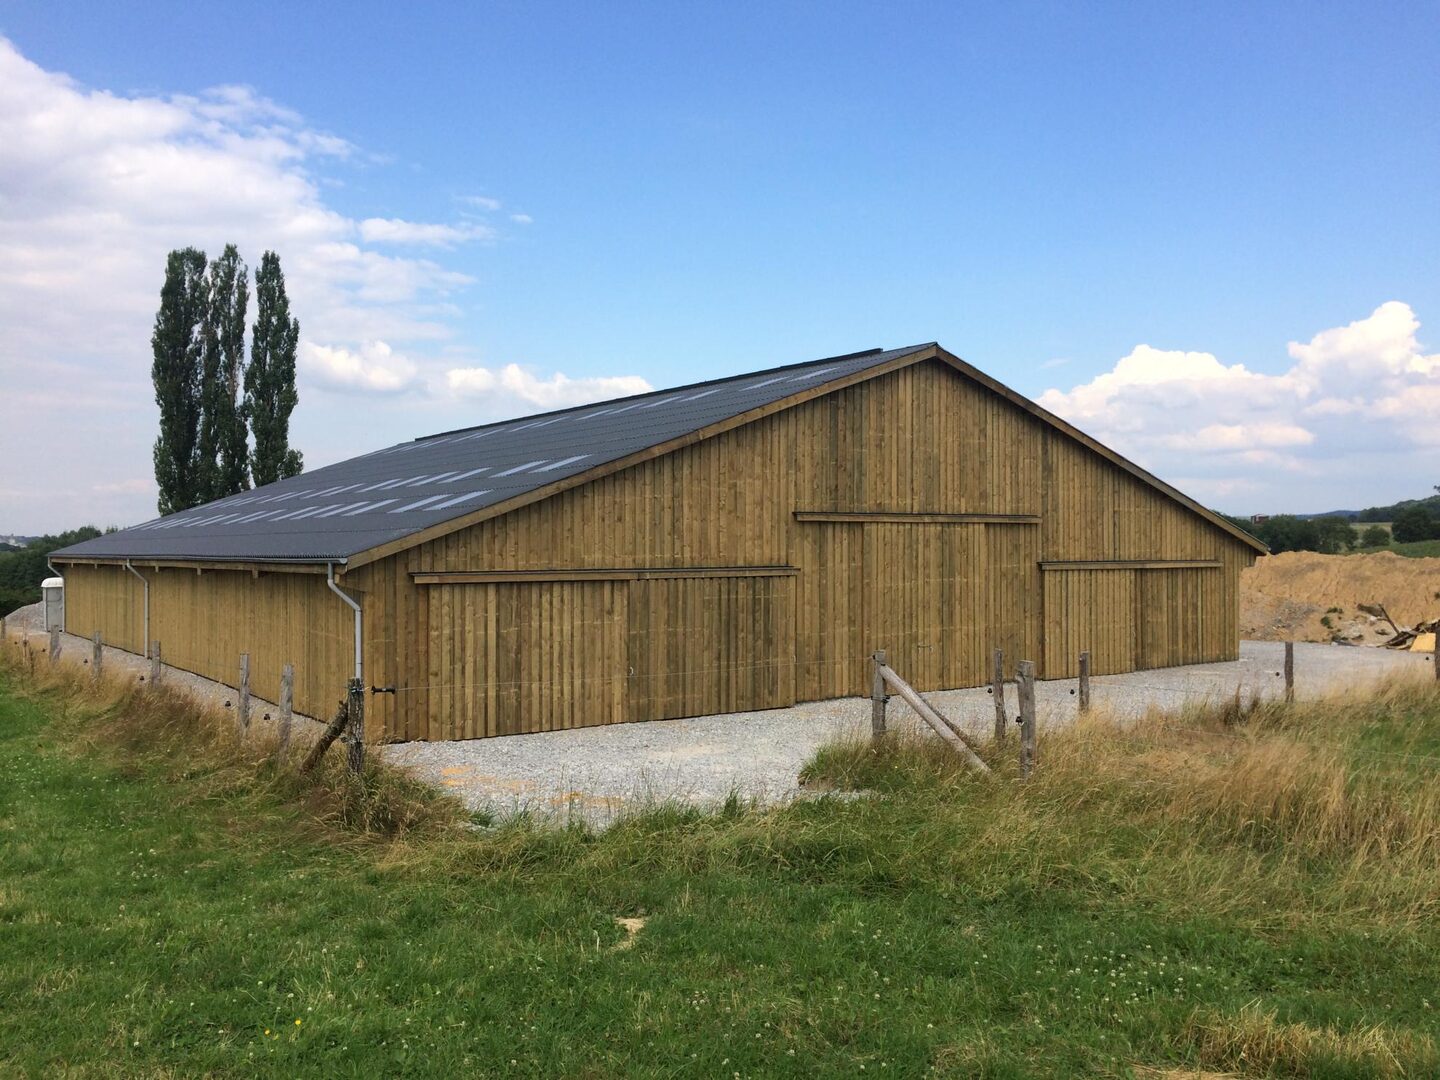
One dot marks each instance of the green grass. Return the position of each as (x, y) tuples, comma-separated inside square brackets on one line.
[(1417, 549), (1238, 892)]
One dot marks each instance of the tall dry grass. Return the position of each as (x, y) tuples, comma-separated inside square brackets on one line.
[(171, 734)]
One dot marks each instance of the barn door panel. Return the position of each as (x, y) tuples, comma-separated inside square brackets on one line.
[(830, 638), (1089, 611), (698, 646), (533, 656), (1173, 617)]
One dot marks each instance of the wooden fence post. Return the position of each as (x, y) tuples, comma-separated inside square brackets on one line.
[(29, 654), (99, 657), (357, 726), (154, 664), (997, 688), (1026, 681), (1435, 656), (287, 703), (54, 644), (877, 694), (1084, 682), (1289, 671), (242, 715)]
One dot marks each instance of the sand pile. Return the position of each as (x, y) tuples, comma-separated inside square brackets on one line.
[(1295, 594)]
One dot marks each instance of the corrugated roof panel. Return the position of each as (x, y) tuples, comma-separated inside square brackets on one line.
[(309, 518)]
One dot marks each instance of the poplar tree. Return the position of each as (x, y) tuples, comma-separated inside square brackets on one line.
[(175, 370), (270, 394), (222, 451)]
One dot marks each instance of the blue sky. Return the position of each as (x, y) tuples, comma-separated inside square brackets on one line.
[(672, 192)]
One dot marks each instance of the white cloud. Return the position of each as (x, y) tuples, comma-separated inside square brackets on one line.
[(396, 231), (1354, 413), (373, 367), (482, 202), (556, 392), (96, 187), (522, 219)]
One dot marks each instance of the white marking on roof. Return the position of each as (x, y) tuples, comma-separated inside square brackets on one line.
[(662, 401), (553, 420), (306, 513), (476, 435), (430, 479), (252, 517), (703, 393), (814, 374), (367, 507), (562, 463), (767, 382), (520, 468), (339, 509), (329, 491), (417, 503), (293, 513), (472, 472), (627, 408), (456, 500), (597, 412), (377, 484)]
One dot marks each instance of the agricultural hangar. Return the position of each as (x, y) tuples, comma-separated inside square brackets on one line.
[(732, 545)]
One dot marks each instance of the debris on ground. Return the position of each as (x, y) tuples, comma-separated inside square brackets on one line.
[(1346, 599), (1420, 638)]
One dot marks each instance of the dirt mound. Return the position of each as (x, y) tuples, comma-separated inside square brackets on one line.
[(1295, 594)]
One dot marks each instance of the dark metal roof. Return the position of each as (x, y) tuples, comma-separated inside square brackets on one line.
[(340, 510)]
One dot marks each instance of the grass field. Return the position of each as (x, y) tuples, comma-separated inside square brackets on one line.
[(1254, 894), (1417, 549)]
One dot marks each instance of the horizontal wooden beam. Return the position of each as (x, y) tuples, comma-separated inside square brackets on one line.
[(900, 518), (633, 573), (198, 565), (1134, 564)]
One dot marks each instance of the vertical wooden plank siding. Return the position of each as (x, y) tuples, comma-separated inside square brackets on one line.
[(205, 621), (475, 660)]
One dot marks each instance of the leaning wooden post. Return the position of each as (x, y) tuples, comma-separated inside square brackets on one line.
[(331, 733), (242, 715), (54, 644), (877, 694), (98, 658), (1289, 671), (1435, 655), (287, 703), (997, 688), (1026, 680), (1084, 682), (154, 664), (356, 708)]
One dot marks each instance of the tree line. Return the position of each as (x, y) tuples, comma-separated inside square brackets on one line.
[(224, 420), (22, 571), (1411, 520)]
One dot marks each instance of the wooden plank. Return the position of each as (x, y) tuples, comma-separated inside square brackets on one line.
[(1132, 564), (915, 518), (942, 724), (477, 577)]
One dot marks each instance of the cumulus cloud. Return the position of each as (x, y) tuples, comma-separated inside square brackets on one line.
[(374, 366), (96, 187), (556, 392), (1352, 417), (396, 231)]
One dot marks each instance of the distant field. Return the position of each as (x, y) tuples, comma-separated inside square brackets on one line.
[(1419, 549)]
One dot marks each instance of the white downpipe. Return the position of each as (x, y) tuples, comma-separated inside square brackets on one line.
[(143, 581), (359, 623)]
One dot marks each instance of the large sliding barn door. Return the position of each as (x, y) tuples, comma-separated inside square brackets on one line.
[(937, 597), (507, 658)]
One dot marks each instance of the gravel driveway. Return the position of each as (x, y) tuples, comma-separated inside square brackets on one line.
[(594, 773)]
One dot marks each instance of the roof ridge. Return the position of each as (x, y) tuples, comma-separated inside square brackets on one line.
[(681, 388)]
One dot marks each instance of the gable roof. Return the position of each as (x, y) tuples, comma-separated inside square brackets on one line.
[(333, 513), (365, 508)]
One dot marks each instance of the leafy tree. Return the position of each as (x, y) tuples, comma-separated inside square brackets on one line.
[(1375, 536), (222, 451), (22, 571), (1333, 535), (270, 395), (175, 371), (1414, 523)]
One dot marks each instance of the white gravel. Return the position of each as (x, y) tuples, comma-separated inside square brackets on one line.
[(597, 773)]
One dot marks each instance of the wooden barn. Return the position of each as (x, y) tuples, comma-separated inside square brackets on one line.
[(738, 544)]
